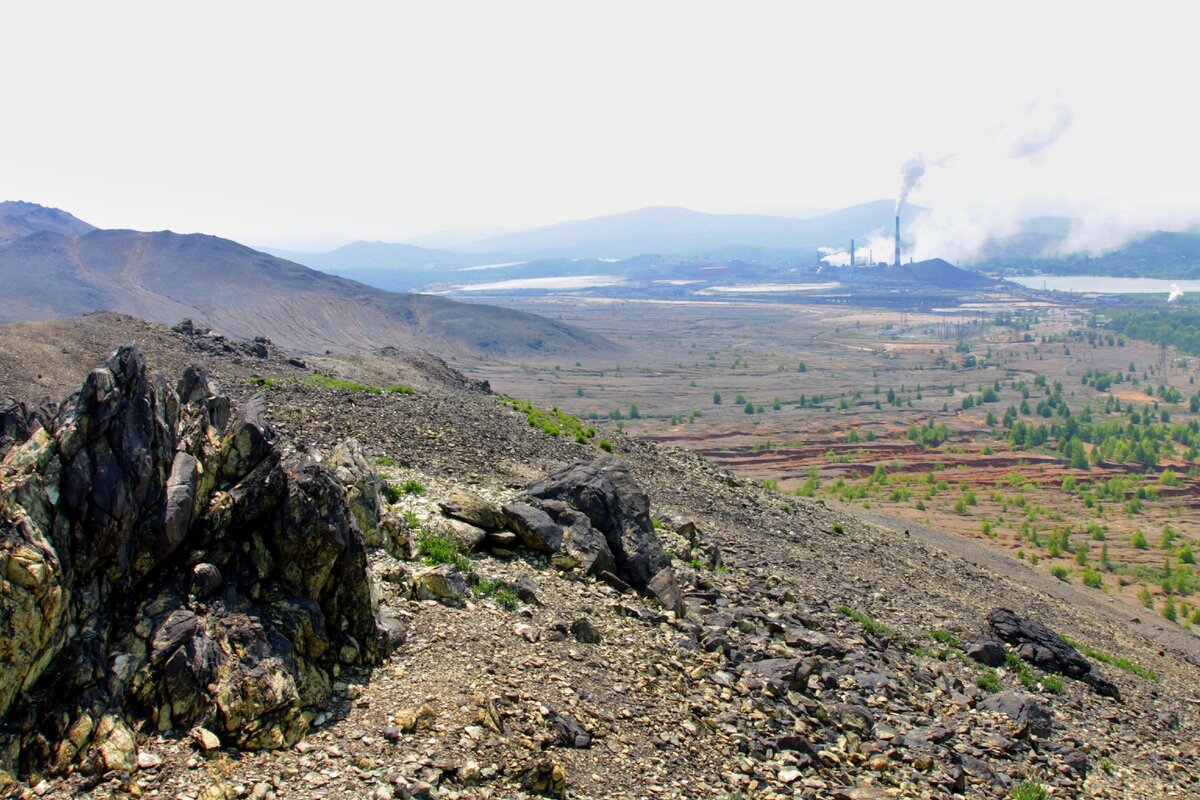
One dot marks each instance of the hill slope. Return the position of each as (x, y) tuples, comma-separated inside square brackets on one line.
[(18, 219), (805, 663), (681, 231), (167, 277)]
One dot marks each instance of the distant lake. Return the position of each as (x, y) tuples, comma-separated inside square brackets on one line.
[(1104, 285)]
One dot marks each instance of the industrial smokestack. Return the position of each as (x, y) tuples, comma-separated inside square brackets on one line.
[(852, 252), (897, 240)]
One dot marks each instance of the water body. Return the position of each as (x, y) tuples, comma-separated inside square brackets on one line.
[(1105, 285)]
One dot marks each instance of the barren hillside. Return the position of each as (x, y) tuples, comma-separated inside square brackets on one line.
[(815, 655)]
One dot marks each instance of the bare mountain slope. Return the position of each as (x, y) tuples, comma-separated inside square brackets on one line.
[(241, 292), (819, 656), (19, 219)]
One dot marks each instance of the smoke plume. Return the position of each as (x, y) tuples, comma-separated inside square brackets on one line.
[(1175, 294), (1045, 122), (910, 178)]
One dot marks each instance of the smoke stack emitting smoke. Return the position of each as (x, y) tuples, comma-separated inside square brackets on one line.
[(897, 235)]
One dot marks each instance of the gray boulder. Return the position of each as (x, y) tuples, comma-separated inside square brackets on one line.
[(1030, 715), (1044, 649), (614, 504)]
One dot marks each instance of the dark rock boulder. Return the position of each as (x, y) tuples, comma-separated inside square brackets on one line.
[(164, 566), (614, 504), (986, 652), (1030, 716), (1044, 649)]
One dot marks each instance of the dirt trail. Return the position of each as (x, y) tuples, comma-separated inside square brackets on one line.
[(1164, 635)]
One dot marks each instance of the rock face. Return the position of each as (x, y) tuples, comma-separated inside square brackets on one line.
[(163, 566), (1043, 648), (595, 514)]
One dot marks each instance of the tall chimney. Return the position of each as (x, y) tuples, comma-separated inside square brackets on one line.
[(852, 252), (897, 240)]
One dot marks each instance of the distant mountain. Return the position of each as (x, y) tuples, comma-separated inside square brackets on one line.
[(241, 292), (387, 265), (1161, 254), (681, 231), (19, 219)]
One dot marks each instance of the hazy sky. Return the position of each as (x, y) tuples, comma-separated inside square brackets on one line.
[(273, 124)]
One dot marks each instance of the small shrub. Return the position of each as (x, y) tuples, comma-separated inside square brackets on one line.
[(1020, 669), (606, 445), (945, 637), (989, 681), (1030, 790), (341, 385), (1053, 684), (384, 461), (1092, 579), (435, 549), (412, 487), (1139, 540), (837, 528), (869, 624), (1059, 571), (1114, 661), (394, 494)]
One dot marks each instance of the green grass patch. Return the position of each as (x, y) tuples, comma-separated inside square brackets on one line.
[(266, 383), (1053, 684), (1019, 668), (552, 422), (384, 461), (499, 591), (1030, 790), (988, 680), (436, 549), (1113, 661), (945, 637), (412, 487), (869, 624), (341, 385), (401, 389)]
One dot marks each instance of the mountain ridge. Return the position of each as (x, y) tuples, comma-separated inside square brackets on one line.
[(165, 277)]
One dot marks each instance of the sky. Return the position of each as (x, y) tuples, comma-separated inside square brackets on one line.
[(278, 124)]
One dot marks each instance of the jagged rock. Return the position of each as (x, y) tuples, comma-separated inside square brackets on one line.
[(528, 590), (464, 534), (206, 579), (987, 652), (1030, 715), (544, 776), (444, 583), (567, 732), (584, 631), (533, 527), (605, 492), (410, 719), (1043, 648), (138, 498), (472, 509), (366, 496), (205, 739)]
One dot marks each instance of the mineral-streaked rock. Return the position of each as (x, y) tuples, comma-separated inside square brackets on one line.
[(134, 501)]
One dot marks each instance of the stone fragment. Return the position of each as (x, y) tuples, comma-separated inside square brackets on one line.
[(473, 509), (584, 631)]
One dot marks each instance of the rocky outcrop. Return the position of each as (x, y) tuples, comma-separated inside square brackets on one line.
[(595, 516), (1044, 649), (163, 565)]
